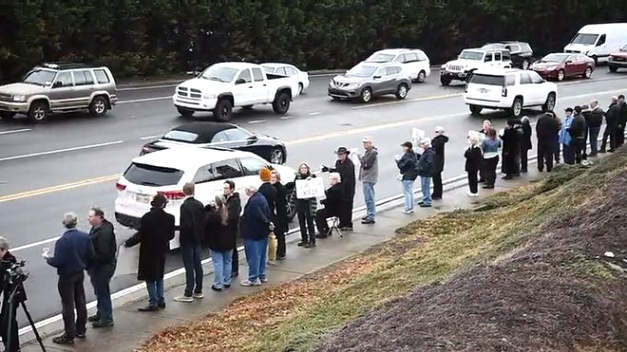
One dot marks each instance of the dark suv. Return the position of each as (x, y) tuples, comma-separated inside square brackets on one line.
[(520, 52)]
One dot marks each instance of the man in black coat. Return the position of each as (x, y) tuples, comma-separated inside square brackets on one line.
[(511, 150), (334, 203), (8, 316), (547, 130), (346, 168), (155, 232), (281, 220), (438, 143), (594, 120), (611, 119), (102, 268), (525, 142), (578, 131), (193, 218), (234, 208), (622, 121)]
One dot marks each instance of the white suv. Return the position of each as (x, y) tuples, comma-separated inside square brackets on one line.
[(509, 89), (167, 171), (415, 62)]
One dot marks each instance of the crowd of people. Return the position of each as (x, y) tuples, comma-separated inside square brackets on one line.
[(218, 224)]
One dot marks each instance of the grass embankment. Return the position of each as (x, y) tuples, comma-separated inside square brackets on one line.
[(465, 279)]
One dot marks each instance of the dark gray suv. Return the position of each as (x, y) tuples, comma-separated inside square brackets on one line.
[(368, 80), (58, 88)]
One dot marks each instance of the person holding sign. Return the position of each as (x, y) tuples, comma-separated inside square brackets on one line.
[(306, 210)]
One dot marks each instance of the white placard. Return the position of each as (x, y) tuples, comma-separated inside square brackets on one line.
[(128, 260), (417, 134), (311, 188)]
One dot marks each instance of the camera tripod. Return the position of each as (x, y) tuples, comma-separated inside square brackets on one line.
[(17, 285)]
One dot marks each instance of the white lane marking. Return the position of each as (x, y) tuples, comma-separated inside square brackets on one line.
[(91, 146), (143, 100), (15, 131), (148, 87), (256, 121), (150, 137), (286, 117), (315, 113), (434, 97), (31, 245)]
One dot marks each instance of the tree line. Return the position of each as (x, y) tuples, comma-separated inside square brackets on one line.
[(155, 37)]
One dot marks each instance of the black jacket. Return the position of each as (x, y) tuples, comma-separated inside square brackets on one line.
[(156, 230), (407, 165), (511, 141), (234, 207), (334, 199), (622, 120), (217, 234), (473, 157), (5, 288), (193, 217), (525, 137), (346, 169), (578, 128), (438, 146), (594, 117), (547, 128), (612, 116), (269, 192), (103, 240), (281, 221)]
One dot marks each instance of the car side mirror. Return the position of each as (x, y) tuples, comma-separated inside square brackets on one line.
[(240, 81), (252, 139), (57, 84), (376, 77), (569, 62)]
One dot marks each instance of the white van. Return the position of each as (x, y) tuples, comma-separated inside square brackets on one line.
[(598, 41), (415, 62)]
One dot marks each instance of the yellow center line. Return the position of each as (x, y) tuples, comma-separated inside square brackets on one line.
[(63, 187)]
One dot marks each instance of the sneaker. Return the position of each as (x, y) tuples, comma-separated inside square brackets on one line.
[(161, 305), (419, 203), (271, 262), (198, 295), (215, 288), (472, 195), (227, 285), (247, 283), (424, 205), (102, 324), (80, 335), (368, 222), (184, 299), (280, 257), (409, 211), (263, 280), (93, 318), (310, 245), (302, 243), (63, 340), (364, 218)]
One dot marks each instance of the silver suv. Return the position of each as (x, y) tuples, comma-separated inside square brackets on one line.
[(59, 88)]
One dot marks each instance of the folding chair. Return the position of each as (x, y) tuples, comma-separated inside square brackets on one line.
[(334, 222)]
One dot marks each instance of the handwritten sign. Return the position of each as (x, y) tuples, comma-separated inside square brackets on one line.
[(312, 188), (417, 135)]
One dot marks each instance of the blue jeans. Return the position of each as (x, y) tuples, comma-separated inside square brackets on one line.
[(408, 192), (256, 255), (100, 279), (425, 185), (193, 269), (369, 198), (155, 292), (594, 140), (222, 266)]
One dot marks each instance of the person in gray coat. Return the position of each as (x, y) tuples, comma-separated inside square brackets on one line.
[(368, 175)]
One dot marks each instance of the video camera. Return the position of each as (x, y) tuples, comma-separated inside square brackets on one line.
[(14, 274)]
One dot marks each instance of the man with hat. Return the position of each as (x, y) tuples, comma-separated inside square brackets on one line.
[(566, 139), (346, 168), (156, 230)]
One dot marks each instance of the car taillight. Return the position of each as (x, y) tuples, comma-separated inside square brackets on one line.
[(172, 195), (504, 92), (120, 186)]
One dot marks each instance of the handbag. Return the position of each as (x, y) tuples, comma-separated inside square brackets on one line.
[(272, 244)]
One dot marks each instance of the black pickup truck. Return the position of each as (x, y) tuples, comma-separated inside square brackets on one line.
[(520, 52)]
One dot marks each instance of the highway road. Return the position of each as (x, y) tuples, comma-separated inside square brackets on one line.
[(71, 162)]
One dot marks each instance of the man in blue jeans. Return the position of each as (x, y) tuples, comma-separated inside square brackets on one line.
[(192, 229), (426, 167), (255, 229), (368, 175)]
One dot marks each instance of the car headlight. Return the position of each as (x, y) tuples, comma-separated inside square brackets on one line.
[(443, 67), (551, 68), (19, 98), (208, 96)]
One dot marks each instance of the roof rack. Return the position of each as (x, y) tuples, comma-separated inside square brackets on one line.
[(64, 65), (219, 148)]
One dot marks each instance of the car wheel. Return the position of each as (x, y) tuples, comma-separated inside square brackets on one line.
[(247, 107), (38, 111), (291, 203), (474, 109), (422, 75), (587, 73), (561, 75), (549, 105), (517, 107), (366, 95), (300, 88), (7, 115), (184, 112), (525, 65), (98, 106), (401, 91), (281, 104), (277, 156), (223, 110), (445, 81), (613, 68)]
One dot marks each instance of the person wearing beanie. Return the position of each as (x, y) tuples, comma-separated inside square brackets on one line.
[(268, 190), (155, 232), (306, 210)]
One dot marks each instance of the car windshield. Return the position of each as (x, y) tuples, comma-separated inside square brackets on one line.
[(154, 176), (40, 77), (220, 74), (624, 48), (181, 136), (269, 69), (488, 80), (494, 46), (554, 58), (380, 58), (471, 55), (585, 39), (361, 71)]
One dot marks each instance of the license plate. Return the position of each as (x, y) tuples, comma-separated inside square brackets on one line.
[(142, 198)]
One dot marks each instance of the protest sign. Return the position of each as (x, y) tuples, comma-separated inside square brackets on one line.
[(311, 188)]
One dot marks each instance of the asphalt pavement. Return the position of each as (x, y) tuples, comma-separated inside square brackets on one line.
[(72, 162)]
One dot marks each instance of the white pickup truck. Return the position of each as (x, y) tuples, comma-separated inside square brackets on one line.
[(223, 86)]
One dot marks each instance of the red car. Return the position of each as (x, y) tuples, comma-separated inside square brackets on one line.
[(562, 65), (618, 60)]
